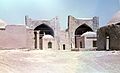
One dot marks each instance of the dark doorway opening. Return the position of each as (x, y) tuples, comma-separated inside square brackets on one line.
[(63, 46), (81, 45), (94, 43), (49, 44)]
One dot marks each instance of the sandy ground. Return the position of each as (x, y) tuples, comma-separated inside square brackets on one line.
[(37, 61)]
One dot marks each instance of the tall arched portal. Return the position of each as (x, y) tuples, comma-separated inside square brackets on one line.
[(40, 31), (78, 32)]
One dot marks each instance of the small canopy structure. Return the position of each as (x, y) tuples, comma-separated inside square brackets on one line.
[(2, 24), (89, 34)]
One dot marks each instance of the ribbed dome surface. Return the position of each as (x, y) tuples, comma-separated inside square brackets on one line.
[(47, 37), (89, 34)]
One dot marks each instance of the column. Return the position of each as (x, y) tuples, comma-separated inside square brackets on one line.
[(107, 43), (38, 41)]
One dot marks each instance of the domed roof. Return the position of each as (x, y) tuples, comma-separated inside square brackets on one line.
[(115, 19), (2, 24), (47, 37), (89, 34)]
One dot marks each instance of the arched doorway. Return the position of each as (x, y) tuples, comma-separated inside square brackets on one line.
[(49, 44), (78, 32), (40, 31), (63, 46)]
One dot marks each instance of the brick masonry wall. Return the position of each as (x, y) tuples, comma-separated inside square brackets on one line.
[(14, 36)]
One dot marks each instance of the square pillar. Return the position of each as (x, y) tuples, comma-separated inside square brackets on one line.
[(37, 39)]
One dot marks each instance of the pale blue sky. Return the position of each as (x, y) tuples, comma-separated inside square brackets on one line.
[(13, 11)]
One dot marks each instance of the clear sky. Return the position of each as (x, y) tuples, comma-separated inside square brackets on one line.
[(13, 11)]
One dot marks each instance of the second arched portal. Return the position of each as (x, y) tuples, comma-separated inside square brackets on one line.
[(78, 32)]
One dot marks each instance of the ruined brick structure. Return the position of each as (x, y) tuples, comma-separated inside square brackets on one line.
[(109, 36)]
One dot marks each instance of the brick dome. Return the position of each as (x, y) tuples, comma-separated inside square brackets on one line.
[(115, 19)]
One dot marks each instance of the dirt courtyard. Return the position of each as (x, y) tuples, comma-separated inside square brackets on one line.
[(49, 61)]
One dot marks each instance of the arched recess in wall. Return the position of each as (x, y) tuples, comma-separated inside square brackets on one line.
[(79, 31), (118, 24), (43, 30)]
